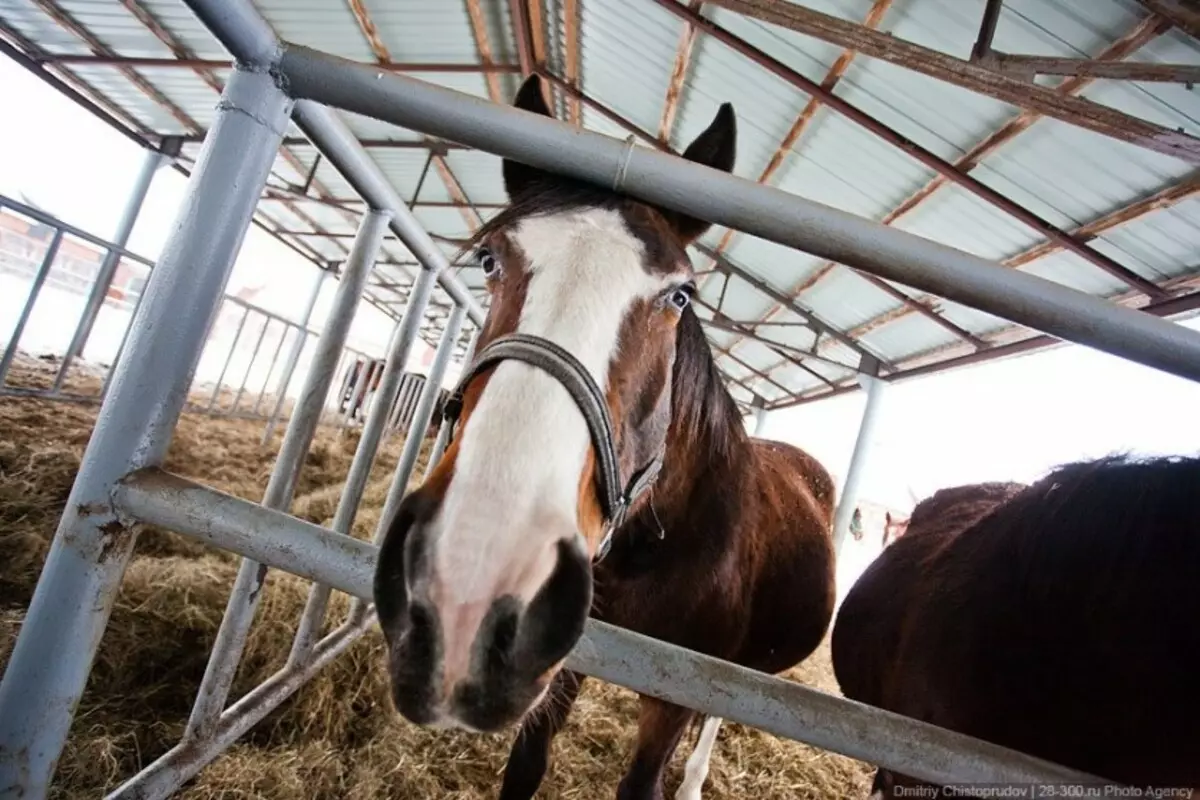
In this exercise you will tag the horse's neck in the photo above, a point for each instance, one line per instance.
(698, 470)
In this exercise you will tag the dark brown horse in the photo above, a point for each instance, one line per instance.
(1057, 619)
(485, 577)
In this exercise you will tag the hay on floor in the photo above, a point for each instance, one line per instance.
(338, 737)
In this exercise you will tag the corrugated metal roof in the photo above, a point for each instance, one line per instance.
(627, 49)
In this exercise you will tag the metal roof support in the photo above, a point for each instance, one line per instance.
(858, 460)
(922, 155)
(760, 418)
(342, 150)
(78, 585)
(679, 72)
(724, 199)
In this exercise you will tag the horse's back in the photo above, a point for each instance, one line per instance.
(1063, 623)
(792, 546)
(869, 624)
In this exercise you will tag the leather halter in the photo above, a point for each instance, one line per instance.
(589, 399)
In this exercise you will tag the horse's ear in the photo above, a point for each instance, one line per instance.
(715, 147)
(887, 517)
(518, 177)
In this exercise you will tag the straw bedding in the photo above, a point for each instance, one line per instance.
(338, 737)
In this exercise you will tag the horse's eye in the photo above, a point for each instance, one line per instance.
(487, 262)
(681, 296)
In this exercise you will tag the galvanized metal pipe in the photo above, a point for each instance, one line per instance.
(420, 420)
(262, 334)
(416, 435)
(858, 460)
(744, 205)
(74, 597)
(364, 457)
(237, 335)
(246, 593)
(648, 666)
(342, 149)
(289, 369)
(39, 279)
(182, 762)
(262, 392)
(108, 267)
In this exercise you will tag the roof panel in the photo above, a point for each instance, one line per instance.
(1064, 174)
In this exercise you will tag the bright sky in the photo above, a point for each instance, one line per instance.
(1009, 420)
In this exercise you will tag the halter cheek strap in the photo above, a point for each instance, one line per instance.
(615, 499)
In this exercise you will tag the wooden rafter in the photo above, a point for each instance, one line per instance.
(538, 37)
(483, 46)
(571, 57)
(802, 121)
(457, 193)
(182, 51)
(1166, 197)
(1184, 14)
(33, 58)
(936, 64)
(679, 71)
(66, 21)
(522, 24)
(369, 31)
(1143, 33)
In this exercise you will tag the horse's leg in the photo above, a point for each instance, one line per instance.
(659, 727)
(531, 751)
(697, 763)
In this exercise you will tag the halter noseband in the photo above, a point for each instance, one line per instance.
(589, 399)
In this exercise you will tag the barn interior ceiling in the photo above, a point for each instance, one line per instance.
(1057, 137)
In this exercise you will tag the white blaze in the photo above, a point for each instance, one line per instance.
(514, 492)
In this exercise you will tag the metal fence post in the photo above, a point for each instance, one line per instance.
(108, 267)
(35, 289)
(360, 468)
(862, 447)
(243, 600)
(237, 335)
(760, 418)
(421, 417)
(289, 369)
(262, 392)
(262, 334)
(74, 597)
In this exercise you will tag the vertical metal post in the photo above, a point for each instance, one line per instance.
(262, 392)
(237, 335)
(760, 418)
(243, 600)
(74, 597)
(443, 435)
(365, 374)
(421, 417)
(289, 369)
(35, 289)
(124, 338)
(400, 349)
(862, 446)
(262, 334)
(415, 438)
(108, 267)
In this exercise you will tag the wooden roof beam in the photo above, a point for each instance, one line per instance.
(67, 22)
(1184, 14)
(936, 64)
(572, 56)
(483, 46)
(679, 71)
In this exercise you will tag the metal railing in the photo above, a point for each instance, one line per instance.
(121, 481)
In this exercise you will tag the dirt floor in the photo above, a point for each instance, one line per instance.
(338, 737)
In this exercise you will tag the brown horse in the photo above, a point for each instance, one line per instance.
(486, 575)
(1057, 619)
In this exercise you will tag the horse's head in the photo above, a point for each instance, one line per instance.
(484, 579)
